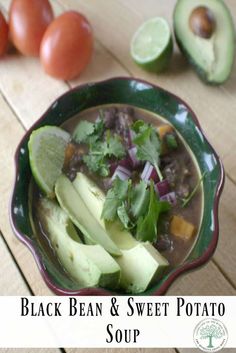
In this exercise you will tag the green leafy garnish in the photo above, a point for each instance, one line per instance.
(189, 198)
(112, 146)
(99, 128)
(137, 207)
(96, 163)
(100, 147)
(147, 225)
(87, 132)
(99, 152)
(171, 141)
(123, 216)
(139, 199)
(114, 199)
(115, 147)
(82, 131)
(148, 144)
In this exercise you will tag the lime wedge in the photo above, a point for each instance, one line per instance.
(46, 154)
(152, 45)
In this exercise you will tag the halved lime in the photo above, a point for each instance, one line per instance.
(152, 45)
(46, 154)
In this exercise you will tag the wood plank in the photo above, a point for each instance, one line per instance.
(225, 255)
(196, 350)
(122, 350)
(230, 164)
(204, 281)
(10, 137)
(23, 80)
(11, 281)
(215, 106)
(30, 350)
(101, 67)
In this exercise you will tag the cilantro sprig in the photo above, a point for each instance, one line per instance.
(114, 199)
(147, 225)
(136, 206)
(148, 144)
(88, 132)
(83, 130)
(102, 145)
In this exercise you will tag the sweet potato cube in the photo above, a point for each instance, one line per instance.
(164, 129)
(70, 150)
(179, 227)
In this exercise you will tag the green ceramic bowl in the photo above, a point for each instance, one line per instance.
(143, 95)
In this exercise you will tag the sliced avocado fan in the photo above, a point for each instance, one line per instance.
(78, 211)
(89, 265)
(140, 263)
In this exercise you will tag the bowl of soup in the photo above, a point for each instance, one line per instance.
(116, 190)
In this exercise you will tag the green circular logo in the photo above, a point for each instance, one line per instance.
(210, 335)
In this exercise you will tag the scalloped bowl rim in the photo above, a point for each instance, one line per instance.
(185, 267)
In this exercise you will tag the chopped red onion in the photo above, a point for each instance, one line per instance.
(170, 197)
(126, 163)
(145, 170)
(149, 172)
(132, 153)
(122, 173)
(162, 187)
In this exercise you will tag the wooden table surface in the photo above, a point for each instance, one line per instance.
(26, 92)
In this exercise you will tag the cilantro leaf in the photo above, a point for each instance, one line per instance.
(97, 164)
(83, 130)
(111, 147)
(109, 211)
(124, 217)
(120, 188)
(99, 128)
(114, 199)
(115, 147)
(148, 144)
(88, 132)
(139, 199)
(147, 225)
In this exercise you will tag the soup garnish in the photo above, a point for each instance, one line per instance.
(129, 188)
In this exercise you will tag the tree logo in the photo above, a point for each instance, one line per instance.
(210, 335)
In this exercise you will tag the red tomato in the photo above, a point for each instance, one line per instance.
(3, 34)
(67, 46)
(28, 21)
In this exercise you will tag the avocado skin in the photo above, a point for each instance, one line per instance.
(200, 71)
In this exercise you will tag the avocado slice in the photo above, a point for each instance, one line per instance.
(90, 265)
(78, 211)
(205, 33)
(141, 264)
(94, 198)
